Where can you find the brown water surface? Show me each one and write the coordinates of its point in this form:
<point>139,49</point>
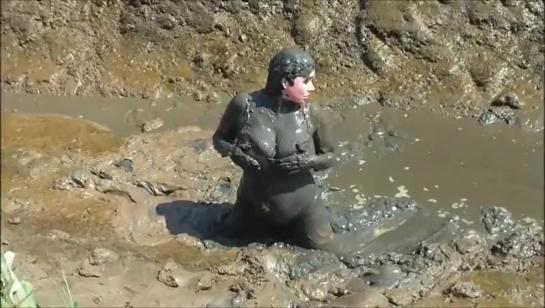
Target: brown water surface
<point>454,165</point>
<point>446,164</point>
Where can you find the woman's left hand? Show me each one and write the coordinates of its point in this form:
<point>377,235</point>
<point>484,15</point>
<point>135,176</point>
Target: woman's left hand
<point>296,162</point>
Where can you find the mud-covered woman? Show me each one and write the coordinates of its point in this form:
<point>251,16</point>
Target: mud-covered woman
<point>278,138</point>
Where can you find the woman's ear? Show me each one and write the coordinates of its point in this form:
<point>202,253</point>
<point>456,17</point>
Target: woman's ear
<point>285,83</point>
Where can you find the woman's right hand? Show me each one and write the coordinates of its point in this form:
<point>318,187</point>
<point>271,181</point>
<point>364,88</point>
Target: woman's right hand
<point>243,160</point>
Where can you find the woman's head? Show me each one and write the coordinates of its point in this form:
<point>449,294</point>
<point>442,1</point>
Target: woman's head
<point>290,74</point>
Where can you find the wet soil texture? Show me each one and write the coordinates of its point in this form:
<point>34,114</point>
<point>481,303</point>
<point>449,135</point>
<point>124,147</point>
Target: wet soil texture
<point>108,172</point>
<point>99,204</point>
<point>455,56</point>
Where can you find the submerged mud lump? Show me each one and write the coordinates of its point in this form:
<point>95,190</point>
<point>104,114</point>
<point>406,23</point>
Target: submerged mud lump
<point>400,273</point>
<point>379,210</point>
<point>497,115</point>
<point>496,219</point>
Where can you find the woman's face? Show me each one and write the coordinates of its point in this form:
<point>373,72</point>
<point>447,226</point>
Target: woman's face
<point>301,89</point>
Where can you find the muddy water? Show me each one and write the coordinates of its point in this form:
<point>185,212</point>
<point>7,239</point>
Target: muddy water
<point>452,165</point>
<point>386,152</point>
<point>124,116</point>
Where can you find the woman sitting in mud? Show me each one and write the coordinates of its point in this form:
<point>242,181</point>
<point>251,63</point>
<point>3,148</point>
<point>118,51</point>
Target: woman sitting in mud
<point>277,137</point>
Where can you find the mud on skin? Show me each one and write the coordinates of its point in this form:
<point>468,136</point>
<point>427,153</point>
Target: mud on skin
<point>278,139</point>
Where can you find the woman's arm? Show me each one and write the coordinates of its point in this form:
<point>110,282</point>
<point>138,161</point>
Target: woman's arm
<point>226,134</point>
<point>323,143</point>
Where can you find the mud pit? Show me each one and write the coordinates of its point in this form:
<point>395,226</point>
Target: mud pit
<point>130,216</point>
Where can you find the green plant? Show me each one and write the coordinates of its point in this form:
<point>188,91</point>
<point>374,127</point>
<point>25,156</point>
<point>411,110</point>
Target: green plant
<point>14,292</point>
<point>18,293</point>
<point>67,298</point>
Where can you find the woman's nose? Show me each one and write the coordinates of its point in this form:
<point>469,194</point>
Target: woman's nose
<point>311,86</point>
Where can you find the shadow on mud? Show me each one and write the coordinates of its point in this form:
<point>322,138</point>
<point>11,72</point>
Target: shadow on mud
<point>368,230</point>
<point>203,221</point>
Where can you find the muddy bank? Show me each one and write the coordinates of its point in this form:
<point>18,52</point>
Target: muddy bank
<point>125,194</point>
<point>132,221</point>
<point>460,56</point>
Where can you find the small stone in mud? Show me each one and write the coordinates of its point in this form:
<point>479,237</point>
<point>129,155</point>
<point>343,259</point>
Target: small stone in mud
<point>487,118</point>
<point>152,125</point>
<point>82,178</point>
<point>370,297</point>
<point>169,274</point>
<point>400,297</point>
<point>102,173</point>
<point>496,219</point>
<point>205,283</point>
<point>232,269</point>
<point>97,299</point>
<point>466,289</point>
<point>158,189</point>
<point>315,290</point>
<point>15,220</point>
<point>125,164</point>
<point>189,240</point>
<point>202,60</point>
<point>211,244</point>
<point>64,183</point>
<point>102,255</point>
<point>506,114</point>
<point>88,270</point>
<point>198,95</point>
<point>213,98</point>
<point>58,234</point>
<point>470,243</point>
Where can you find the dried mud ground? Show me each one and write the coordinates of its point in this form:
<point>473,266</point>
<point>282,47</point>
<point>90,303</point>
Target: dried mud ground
<point>127,215</point>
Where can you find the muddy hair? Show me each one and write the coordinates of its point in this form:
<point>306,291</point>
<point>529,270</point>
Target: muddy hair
<point>287,65</point>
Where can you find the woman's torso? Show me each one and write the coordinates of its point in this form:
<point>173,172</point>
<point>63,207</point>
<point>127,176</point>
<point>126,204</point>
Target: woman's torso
<point>274,135</point>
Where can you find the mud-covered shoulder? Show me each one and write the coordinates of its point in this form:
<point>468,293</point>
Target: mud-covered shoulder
<point>239,102</point>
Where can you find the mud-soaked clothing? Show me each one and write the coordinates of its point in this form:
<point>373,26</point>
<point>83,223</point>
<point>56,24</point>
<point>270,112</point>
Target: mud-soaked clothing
<point>277,144</point>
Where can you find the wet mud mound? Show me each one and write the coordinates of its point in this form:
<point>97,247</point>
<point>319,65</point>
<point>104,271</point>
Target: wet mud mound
<point>460,56</point>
